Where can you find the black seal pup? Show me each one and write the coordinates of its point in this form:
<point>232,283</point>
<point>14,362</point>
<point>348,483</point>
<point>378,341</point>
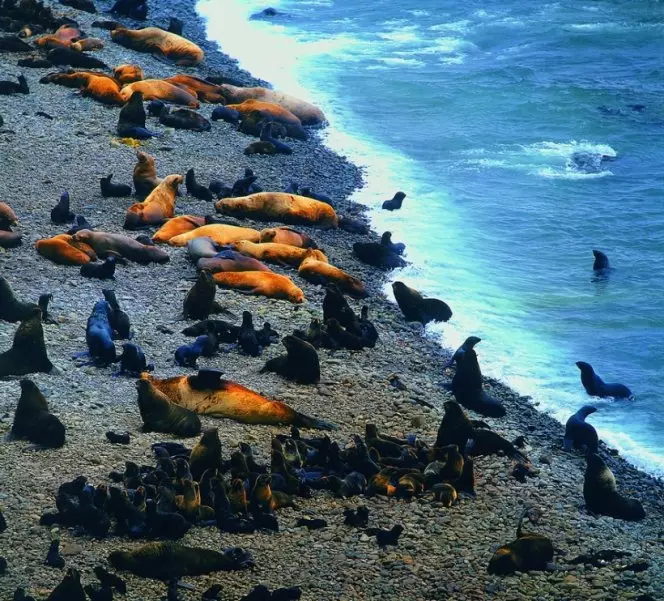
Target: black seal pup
<point>99,334</point>
<point>67,56</point>
<point>395,203</point>
<point>70,589</point>
<point>102,271</point>
<point>132,360</point>
<point>33,420</point>
<point>184,119</point>
<point>595,386</point>
<point>61,213</point>
<point>225,114</point>
<point>28,352</point>
<point>80,223</point>
<point>383,254</point>
<point>117,317</point>
<point>528,552</point>
<point>195,189</point>
<point>416,307</point>
<point>10,87</point>
<point>131,121</point>
<point>300,363</point>
<point>187,355</point>
<point>601,494</point>
<point>579,433</point>
<point>266,136</point>
<point>108,188</point>
<point>199,301</point>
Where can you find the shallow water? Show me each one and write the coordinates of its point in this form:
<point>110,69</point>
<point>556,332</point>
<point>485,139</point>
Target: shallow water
<point>524,135</point>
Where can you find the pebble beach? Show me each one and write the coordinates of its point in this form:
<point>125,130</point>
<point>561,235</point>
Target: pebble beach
<point>442,554</point>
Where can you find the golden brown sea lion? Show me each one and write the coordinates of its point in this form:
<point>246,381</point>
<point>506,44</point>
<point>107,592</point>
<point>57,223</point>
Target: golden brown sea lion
<point>263,283</point>
<point>158,41</point>
<point>28,352</point>
<point>64,250</point>
<point>306,112</point>
<point>205,91</point>
<point>128,73</point>
<point>315,269</point>
<point>106,244</point>
<point>156,89</point>
<point>63,37</point>
<point>87,44</point>
<point>159,414</point>
<point>157,207</point>
<point>287,235</point>
<point>176,226</point>
<point>271,252</point>
<point>208,394</point>
<point>272,112</point>
<point>280,206</point>
<point>99,86</point>
<point>7,215</point>
<point>145,174</point>
<point>219,233</point>
<point>206,455</point>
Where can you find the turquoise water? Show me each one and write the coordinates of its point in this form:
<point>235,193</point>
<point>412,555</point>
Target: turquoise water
<point>477,112</point>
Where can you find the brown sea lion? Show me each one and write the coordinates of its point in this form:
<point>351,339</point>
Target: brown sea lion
<point>306,112</point>
<point>159,414</point>
<point>230,260</point>
<point>157,207</point>
<point>7,216</point>
<point>219,233</point>
<point>63,37</point>
<point>272,252</point>
<point>28,352</point>
<point>263,283</point>
<point>176,226</point>
<point>287,235</point>
<point>280,206</point>
<point>128,73</point>
<point>145,174</point>
<point>208,394</point>
<point>158,41</point>
<point>33,420</point>
<point>12,309</point>
<point>10,239</point>
<point>254,114</point>
<point>63,249</point>
<point>99,86</point>
<point>205,91</point>
<point>315,269</point>
<point>199,302</point>
<point>300,363</point>
<point>206,455</point>
<point>106,244</point>
<point>87,44</point>
<point>156,89</point>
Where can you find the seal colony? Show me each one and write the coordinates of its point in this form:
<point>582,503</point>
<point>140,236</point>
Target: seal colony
<point>444,486</point>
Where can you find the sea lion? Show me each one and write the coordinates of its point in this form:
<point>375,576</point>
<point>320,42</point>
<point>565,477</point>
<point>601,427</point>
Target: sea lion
<point>206,455</point>
<point>280,147</point>
<point>601,263</point>
<point>225,114</point>
<point>101,271</point>
<point>455,427</point>
<point>219,233</point>
<point>87,44</point>
<point>258,112</point>
<point>300,363</point>
<point>261,147</point>
<point>595,386</point>
<point>70,589</point>
<point>383,254</point>
<point>579,433</point>
<point>262,283</point>
<point>98,86</point>
<point>159,414</point>
<point>176,226</point>
<point>395,203</point>
<point>353,226</point>
<point>64,249</point>
<point>528,552</point>
<point>108,188</point>
<point>135,9</point>
<point>131,121</point>
<point>7,216</point>
<point>99,334</point>
<point>315,269</point>
<point>306,112</point>
<point>106,244</point>
<point>273,252</point>
<point>200,248</point>
<point>199,301</point>
<point>13,44</point>
<point>175,25</point>
<point>118,319</point>
<point>157,41</point>
<point>10,87</point>
<point>205,91</point>
<point>416,307</point>
<point>11,309</point>
<point>195,189</point>
<point>187,355</point>
<point>230,260</point>
<point>278,206</point>
<point>208,394</point>
<point>125,74</point>
<point>157,207</point>
<point>27,354</point>
<point>156,89</point>
<point>33,420</point>
<point>34,62</point>
<point>184,119</point>
<point>335,306</point>
<point>145,174</point>
<point>601,494</point>
<point>72,58</point>
<point>61,212</point>
<point>287,235</point>
<point>132,360</point>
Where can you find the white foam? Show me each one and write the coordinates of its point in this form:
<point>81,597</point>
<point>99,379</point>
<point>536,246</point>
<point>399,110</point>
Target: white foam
<point>400,62</point>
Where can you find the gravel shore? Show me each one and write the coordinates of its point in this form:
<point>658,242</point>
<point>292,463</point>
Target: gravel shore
<point>442,554</point>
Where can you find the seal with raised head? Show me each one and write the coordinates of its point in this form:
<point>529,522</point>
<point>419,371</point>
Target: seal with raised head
<point>195,189</point>
<point>159,414</point>
<point>395,203</point>
<point>383,254</point>
<point>157,41</point>
<point>416,307</point>
<point>602,496</point>
<point>145,174</point>
<point>99,334</point>
<point>601,263</point>
<point>12,309</point>
<point>206,455</point>
<point>595,386</point>
<point>125,74</point>
<point>272,285</point>
<point>315,269</point>
<point>157,207</point>
<point>199,301</point>
<point>207,393</point>
<point>579,433</point>
<point>131,121</point>
<point>27,354</point>
<point>109,188</point>
<point>300,363</point>
<point>34,421</point>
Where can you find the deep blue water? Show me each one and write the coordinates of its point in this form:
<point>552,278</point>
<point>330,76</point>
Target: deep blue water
<point>476,110</point>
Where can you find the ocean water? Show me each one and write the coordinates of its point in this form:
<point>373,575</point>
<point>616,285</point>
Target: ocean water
<point>524,135</point>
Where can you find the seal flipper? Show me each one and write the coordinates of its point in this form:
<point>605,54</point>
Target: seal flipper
<point>304,421</point>
<point>206,379</point>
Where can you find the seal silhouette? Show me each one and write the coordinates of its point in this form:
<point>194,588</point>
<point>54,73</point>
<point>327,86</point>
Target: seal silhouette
<point>595,386</point>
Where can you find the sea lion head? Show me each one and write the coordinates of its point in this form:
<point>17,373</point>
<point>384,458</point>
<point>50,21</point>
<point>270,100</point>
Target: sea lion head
<point>585,368</point>
<point>586,410</point>
<point>173,181</point>
<point>82,236</point>
<point>471,341</point>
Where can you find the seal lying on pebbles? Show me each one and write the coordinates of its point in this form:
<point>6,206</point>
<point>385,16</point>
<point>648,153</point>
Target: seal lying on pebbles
<point>176,226</point>
<point>157,207</point>
<point>602,496</point>
<point>416,307</point>
<point>33,420</point>
<point>287,235</point>
<point>205,90</point>
<point>230,260</point>
<point>156,89</point>
<point>527,552</point>
<point>10,87</point>
<point>98,86</point>
<point>28,352</point>
<point>106,244</point>
<point>72,58</point>
<point>272,285</point>
<point>7,216</point>
<point>315,269</point>
<point>208,394</point>
<point>272,252</point>
<point>579,433</point>
<point>111,189</point>
<point>183,119</point>
<point>595,386</point>
<point>383,254</point>
<point>300,363</point>
<point>219,233</point>
<point>159,414</point>
<point>103,271</point>
<point>125,74</point>
<point>11,309</point>
<point>155,40</point>
<point>64,249</point>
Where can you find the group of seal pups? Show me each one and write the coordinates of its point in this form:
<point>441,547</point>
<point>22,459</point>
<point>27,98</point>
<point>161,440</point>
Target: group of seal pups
<point>198,487</point>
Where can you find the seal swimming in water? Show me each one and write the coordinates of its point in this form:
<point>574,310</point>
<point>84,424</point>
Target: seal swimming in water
<point>579,433</point>
<point>32,419</point>
<point>207,393</point>
<point>395,203</point>
<point>595,386</point>
<point>27,354</point>
<point>601,494</point>
<point>159,414</point>
<point>601,263</point>
<point>416,307</point>
<point>300,363</point>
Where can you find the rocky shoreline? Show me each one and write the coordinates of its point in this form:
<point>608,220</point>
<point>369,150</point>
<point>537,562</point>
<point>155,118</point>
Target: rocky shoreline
<point>442,554</point>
